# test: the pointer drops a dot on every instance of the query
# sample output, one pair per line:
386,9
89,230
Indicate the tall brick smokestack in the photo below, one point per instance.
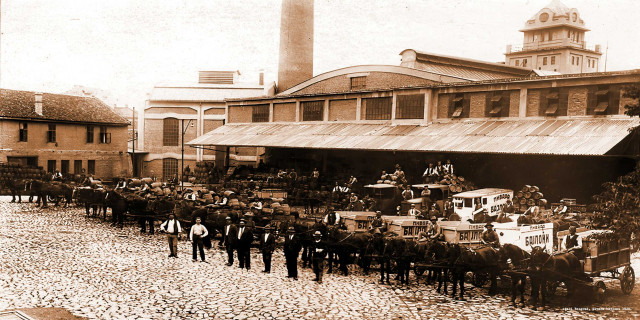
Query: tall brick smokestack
296,43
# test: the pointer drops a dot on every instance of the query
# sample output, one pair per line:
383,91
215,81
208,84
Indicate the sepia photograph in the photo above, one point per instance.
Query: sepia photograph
319,159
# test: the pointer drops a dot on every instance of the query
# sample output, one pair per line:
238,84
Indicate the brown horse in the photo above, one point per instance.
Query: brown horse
514,260
560,267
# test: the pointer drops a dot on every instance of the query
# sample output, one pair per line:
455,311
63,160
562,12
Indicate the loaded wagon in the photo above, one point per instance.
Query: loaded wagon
387,197
439,193
491,199
357,221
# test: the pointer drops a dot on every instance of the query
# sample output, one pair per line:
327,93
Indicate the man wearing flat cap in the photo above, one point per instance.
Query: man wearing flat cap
229,239
490,237
319,247
292,248
267,246
245,237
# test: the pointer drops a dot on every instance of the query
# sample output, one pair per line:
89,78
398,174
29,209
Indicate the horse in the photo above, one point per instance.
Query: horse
92,199
342,245
436,256
394,248
44,189
17,189
513,258
119,207
372,250
560,267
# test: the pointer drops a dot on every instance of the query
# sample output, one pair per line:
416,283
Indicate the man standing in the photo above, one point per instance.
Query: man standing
245,237
319,249
407,194
267,245
229,239
172,228
292,248
197,233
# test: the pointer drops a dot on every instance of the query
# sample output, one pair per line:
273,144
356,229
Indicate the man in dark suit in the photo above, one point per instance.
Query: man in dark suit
229,239
292,248
245,237
319,253
267,246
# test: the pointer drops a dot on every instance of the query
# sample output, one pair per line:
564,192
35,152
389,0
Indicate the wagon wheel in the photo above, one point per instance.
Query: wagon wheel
627,280
51,198
419,271
599,291
479,279
552,288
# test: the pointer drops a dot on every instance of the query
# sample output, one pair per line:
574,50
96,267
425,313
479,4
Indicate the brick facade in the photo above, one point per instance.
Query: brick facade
577,101
533,103
443,105
239,114
514,104
111,159
284,112
478,105
342,110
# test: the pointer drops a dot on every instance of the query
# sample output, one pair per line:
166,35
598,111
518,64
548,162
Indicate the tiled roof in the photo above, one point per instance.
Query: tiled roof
57,107
514,136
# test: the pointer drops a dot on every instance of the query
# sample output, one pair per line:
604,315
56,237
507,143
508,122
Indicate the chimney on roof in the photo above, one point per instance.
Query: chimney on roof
296,43
38,105
261,78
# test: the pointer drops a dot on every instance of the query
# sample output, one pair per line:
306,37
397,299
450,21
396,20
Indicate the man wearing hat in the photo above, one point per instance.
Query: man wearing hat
319,249
573,243
267,245
245,237
292,248
490,237
377,223
413,212
229,237
172,228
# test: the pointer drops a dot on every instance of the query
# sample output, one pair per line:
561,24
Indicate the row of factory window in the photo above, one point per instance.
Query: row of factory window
77,166
408,107
601,100
23,133
169,169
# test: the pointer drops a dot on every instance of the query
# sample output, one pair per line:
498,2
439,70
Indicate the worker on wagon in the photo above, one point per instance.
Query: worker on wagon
434,212
448,167
57,176
377,222
222,201
332,217
573,243
353,199
490,237
121,185
413,212
431,174
561,209
407,194
508,208
385,176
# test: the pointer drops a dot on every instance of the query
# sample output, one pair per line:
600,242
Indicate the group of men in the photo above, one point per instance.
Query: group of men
238,239
435,173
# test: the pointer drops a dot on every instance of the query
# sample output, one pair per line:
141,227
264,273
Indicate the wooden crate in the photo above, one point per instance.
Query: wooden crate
590,264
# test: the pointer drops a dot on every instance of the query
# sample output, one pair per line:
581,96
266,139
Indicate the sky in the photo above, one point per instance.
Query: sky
124,47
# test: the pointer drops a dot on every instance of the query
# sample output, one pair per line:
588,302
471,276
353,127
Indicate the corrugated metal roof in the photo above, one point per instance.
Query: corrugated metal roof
521,136
462,72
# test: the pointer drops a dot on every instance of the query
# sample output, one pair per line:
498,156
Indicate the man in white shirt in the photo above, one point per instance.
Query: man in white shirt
172,228
561,209
572,241
413,212
197,233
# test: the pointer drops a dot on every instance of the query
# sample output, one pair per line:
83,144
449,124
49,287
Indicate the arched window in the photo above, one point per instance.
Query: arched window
170,132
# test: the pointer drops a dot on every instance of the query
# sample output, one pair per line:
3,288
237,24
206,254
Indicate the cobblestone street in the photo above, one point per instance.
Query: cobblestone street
59,258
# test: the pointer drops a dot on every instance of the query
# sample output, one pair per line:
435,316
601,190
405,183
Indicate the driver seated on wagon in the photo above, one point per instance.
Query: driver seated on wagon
332,217
490,236
573,243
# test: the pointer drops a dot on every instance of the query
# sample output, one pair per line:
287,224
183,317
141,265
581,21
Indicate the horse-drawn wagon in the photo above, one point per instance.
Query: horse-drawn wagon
357,221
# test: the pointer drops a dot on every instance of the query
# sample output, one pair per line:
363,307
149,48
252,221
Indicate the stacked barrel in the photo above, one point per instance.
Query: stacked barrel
12,171
201,172
457,183
527,197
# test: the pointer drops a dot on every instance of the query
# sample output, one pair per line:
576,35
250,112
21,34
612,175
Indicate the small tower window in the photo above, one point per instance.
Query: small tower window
553,60
524,62
517,63
544,61
358,83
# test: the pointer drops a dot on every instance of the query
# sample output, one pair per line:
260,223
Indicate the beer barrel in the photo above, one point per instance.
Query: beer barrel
454,182
542,202
380,181
534,189
523,201
526,188
538,195
531,202
156,185
458,188
452,188
387,181
134,183
461,179
527,195
520,194
147,180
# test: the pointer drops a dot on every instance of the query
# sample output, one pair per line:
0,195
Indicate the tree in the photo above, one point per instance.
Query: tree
632,91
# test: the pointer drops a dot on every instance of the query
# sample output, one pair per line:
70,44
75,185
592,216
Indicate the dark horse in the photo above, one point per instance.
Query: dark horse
93,199
119,207
514,261
560,267
393,250
436,257
54,190
17,189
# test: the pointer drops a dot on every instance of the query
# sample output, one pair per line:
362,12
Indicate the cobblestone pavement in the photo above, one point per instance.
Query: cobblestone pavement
59,258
